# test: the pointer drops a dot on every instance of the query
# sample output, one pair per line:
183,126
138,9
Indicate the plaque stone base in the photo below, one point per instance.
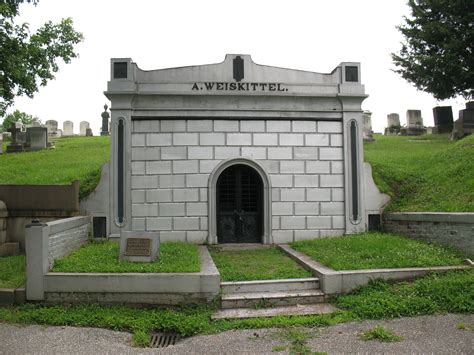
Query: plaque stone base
142,247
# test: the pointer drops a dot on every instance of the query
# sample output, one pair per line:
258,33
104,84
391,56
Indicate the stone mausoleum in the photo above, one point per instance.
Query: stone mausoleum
238,152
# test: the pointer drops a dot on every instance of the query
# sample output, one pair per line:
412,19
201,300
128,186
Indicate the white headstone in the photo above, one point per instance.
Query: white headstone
84,125
414,118
393,119
367,132
51,125
68,128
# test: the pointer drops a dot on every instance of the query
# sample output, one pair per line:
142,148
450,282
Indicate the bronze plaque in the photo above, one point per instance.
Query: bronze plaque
138,247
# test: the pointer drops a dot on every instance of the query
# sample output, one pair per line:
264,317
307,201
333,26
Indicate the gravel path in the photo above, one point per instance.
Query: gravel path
426,334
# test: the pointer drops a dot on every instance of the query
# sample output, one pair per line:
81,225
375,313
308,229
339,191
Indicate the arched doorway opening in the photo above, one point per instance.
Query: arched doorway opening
239,205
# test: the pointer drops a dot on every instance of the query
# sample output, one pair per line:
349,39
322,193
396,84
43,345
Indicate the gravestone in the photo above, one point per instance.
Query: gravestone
367,132
83,126
393,124
16,144
89,132
51,125
37,137
414,124
464,125
105,122
443,119
139,246
68,128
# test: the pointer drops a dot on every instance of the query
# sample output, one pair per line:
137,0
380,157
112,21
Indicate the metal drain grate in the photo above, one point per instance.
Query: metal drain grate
162,340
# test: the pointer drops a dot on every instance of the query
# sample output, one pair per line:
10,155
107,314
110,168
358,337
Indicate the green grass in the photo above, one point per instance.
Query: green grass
376,250
451,292
103,257
74,158
12,271
381,334
256,264
427,173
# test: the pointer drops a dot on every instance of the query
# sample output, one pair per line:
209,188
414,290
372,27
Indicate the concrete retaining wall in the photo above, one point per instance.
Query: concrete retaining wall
452,229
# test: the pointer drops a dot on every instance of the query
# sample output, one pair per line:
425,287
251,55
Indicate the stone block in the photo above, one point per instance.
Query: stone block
313,194
10,249
282,236
199,125
330,153
329,127
252,126
266,139
333,180
293,222
226,152
173,236
337,167
275,195
171,209
138,224
282,209
158,167
332,208
172,153
336,140
159,224
318,140
292,194
203,194
281,180
144,182
211,139
138,196
200,153
147,153
173,126
338,222
306,234
138,168
169,181
3,235
239,139
159,195
207,166
305,153
203,223
291,139
7,297
158,139
185,223
276,222
306,208
304,126
146,126
197,180
291,167
319,222
337,194
196,209
196,237
185,139
138,140
306,180
185,195
278,126
145,210
280,153
317,167
226,126
331,233
185,166
254,152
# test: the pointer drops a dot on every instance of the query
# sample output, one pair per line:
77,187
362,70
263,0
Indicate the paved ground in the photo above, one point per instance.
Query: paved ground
427,334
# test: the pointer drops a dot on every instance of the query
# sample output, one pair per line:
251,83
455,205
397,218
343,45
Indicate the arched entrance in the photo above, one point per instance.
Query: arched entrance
239,201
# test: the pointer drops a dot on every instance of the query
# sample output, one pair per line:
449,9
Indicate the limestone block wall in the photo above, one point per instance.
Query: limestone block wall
172,161
453,229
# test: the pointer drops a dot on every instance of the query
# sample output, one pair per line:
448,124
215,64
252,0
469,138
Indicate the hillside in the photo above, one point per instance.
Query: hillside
427,173
74,158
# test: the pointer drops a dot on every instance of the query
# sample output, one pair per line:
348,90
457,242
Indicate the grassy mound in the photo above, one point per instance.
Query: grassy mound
427,173
74,158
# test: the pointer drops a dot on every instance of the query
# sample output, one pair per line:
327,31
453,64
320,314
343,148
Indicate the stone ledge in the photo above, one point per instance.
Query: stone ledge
62,225
440,217
12,296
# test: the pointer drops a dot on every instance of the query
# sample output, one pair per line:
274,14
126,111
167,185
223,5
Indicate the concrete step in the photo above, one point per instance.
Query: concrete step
310,283
297,310
268,299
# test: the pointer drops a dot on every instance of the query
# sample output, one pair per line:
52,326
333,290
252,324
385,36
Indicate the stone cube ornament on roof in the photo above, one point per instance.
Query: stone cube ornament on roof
236,152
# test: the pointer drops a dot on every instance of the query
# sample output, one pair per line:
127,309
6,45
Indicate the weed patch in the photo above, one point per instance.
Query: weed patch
381,334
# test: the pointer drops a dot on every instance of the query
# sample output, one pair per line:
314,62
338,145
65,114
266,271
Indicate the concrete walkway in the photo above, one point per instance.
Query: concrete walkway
426,334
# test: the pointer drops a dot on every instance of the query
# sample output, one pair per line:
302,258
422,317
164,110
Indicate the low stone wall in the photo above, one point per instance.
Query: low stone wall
452,229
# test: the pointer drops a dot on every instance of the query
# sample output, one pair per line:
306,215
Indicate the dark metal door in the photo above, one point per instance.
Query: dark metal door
239,205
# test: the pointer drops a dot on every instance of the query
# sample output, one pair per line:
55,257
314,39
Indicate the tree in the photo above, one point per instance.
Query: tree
438,56
18,116
28,60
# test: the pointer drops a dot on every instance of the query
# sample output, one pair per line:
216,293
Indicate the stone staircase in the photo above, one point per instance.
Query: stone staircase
265,298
